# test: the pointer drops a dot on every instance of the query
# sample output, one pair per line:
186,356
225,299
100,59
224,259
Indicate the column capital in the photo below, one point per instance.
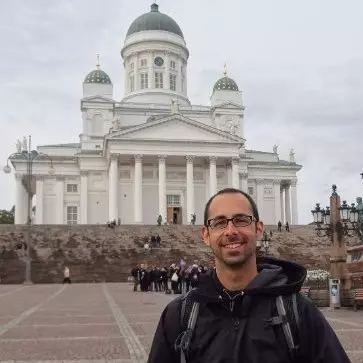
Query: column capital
59,178
244,175
260,181
138,157
235,160
114,156
84,173
293,183
190,158
276,181
213,159
162,158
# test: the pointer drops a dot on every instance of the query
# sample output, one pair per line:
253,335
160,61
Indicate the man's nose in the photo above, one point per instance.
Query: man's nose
230,229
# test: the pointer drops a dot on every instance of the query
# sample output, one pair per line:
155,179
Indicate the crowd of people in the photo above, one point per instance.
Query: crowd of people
176,279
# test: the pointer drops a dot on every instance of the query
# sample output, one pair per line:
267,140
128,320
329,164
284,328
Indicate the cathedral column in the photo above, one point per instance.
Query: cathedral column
287,204
260,192
84,197
184,78
167,71
60,200
235,173
277,196
212,175
207,184
113,189
150,63
294,219
126,73
20,205
190,188
138,189
136,74
282,204
244,183
39,209
162,187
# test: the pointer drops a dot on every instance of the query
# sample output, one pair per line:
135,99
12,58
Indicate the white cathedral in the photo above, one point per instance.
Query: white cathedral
153,153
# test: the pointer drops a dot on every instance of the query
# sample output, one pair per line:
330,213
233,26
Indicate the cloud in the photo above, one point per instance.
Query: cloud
300,70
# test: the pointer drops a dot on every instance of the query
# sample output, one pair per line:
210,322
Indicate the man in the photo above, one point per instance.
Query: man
237,315
135,273
66,275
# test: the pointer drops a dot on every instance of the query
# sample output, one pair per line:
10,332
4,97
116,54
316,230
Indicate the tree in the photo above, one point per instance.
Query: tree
7,217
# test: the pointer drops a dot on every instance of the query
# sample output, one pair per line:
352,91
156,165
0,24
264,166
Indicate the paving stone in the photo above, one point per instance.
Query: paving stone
105,323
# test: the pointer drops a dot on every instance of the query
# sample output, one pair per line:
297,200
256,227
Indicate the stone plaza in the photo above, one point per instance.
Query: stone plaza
106,322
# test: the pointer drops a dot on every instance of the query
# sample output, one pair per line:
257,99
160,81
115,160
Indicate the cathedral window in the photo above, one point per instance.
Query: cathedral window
72,214
172,64
173,82
143,63
144,80
72,188
159,80
132,83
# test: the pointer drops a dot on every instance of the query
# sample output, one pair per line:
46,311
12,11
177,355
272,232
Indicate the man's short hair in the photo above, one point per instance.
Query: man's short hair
229,191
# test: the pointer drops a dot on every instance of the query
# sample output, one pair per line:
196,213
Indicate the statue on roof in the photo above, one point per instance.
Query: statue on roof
25,144
292,156
175,106
275,148
116,123
18,146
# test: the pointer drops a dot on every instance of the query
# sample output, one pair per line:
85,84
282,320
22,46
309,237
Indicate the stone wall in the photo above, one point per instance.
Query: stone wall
99,253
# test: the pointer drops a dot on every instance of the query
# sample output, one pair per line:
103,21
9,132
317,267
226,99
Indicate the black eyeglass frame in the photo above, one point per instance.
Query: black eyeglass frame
227,220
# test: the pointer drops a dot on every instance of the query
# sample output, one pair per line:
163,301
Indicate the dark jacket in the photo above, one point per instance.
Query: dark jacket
232,327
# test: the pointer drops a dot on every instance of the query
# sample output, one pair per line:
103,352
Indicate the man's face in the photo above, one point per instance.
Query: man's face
232,246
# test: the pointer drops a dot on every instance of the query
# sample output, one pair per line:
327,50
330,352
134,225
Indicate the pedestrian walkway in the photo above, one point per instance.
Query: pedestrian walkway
103,323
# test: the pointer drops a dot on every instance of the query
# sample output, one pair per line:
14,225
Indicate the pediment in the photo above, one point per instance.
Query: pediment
229,105
97,99
175,127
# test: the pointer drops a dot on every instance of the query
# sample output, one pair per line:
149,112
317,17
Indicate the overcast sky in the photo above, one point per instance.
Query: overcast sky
299,64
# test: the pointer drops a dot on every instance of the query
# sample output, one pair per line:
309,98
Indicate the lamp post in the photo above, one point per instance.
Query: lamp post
335,222
25,153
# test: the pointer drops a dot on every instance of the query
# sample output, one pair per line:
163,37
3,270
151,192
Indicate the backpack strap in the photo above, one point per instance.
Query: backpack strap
287,319
182,343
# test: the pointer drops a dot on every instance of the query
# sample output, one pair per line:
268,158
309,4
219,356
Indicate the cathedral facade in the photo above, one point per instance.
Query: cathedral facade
154,153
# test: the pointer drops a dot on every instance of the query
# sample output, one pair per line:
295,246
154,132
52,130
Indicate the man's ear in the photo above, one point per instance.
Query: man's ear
259,229
205,235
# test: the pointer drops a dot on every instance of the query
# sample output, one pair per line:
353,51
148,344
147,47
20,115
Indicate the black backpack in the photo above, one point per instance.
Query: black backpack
287,317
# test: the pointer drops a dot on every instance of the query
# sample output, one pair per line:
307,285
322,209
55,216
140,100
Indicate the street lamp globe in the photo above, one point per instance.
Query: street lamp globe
318,214
344,211
7,169
354,214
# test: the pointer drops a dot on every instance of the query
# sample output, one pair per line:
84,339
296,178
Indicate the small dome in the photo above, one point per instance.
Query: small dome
225,84
97,76
154,20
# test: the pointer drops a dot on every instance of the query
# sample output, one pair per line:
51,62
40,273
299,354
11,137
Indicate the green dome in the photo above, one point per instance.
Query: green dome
225,84
154,20
97,76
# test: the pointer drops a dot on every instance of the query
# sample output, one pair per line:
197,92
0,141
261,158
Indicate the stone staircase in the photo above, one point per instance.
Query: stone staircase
98,253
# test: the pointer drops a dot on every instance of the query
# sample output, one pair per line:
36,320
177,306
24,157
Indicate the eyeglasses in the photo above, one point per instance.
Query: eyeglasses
238,220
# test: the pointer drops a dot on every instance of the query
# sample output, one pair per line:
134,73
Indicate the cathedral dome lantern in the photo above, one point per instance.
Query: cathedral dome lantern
155,59
225,84
97,83
226,90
